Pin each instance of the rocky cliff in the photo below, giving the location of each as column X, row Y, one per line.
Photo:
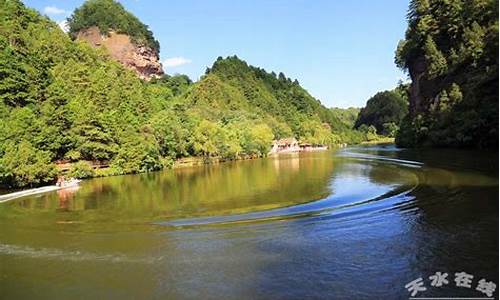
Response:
column 139, row 58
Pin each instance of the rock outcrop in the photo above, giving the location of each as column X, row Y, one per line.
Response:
column 141, row 59
column 417, row 70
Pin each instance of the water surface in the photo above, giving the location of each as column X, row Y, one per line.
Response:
column 357, row 223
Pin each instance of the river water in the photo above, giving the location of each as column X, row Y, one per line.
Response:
column 355, row 223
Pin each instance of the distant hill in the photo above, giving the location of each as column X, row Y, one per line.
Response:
column 384, row 110
column 233, row 85
column 63, row 101
column 347, row 116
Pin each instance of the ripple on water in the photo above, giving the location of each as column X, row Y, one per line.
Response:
column 355, row 194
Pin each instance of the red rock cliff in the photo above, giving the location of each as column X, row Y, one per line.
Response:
column 143, row 60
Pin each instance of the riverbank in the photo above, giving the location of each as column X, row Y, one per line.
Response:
column 93, row 169
column 281, row 220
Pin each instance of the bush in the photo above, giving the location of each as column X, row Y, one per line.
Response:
column 107, row 172
column 371, row 133
column 390, row 129
column 73, row 155
column 81, row 169
column 137, row 154
column 167, row 162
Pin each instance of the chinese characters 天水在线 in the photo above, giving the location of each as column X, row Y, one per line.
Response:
column 462, row 280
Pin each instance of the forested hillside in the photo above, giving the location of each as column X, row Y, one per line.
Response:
column 63, row 101
column 231, row 85
column 347, row 116
column 384, row 111
column 451, row 53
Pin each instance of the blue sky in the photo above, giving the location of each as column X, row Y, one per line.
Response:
column 341, row 51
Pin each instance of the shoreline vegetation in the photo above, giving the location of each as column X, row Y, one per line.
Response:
column 89, row 169
column 65, row 100
column 450, row 52
column 95, row 169
column 383, row 140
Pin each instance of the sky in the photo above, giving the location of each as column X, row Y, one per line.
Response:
column 341, row 51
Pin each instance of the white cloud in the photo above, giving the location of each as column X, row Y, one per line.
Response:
column 52, row 10
column 64, row 25
column 175, row 62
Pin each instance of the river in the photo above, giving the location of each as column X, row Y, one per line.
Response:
column 353, row 223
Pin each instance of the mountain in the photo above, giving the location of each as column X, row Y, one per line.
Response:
column 65, row 102
column 451, row 54
column 232, row 85
column 62, row 100
column 106, row 23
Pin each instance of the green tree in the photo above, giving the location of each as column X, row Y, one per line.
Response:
column 383, row 107
column 81, row 169
column 436, row 61
column 171, row 133
column 139, row 153
column 178, row 83
column 258, row 139
column 450, row 51
column 23, row 165
column 390, row 129
column 204, row 138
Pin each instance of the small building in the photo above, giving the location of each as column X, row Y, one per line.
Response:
column 285, row 145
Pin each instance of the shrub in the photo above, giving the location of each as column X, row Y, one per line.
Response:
column 81, row 169
column 137, row 154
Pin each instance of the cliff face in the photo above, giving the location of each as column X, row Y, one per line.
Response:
column 417, row 71
column 143, row 60
column 424, row 91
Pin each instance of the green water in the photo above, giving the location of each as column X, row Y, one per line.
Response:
column 355, row 223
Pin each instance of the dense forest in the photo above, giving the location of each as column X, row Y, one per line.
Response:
column 348, row 116
column 451, row 54
column 64, row 101
column 278, row 100
column 384, row 111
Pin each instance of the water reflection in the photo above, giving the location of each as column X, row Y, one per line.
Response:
column 354, row 224
column 65, row 196
column 202, row 191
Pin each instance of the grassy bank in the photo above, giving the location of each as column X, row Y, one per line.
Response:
column 382, row 140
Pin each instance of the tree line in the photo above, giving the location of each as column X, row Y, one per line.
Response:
column 63, row 101
column 450, row 51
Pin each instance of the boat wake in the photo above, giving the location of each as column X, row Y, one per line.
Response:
column 324, row 207
column 72, row 184
column 72, row 255
column 30, row 192
column 345, row 202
